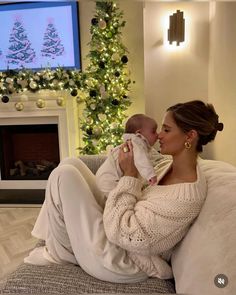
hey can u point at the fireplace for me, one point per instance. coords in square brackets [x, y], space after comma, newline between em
[32, 143]
[28, 152]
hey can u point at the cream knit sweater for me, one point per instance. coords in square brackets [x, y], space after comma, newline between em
[149, 224]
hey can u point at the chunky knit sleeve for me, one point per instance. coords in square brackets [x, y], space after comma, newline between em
[158, 221]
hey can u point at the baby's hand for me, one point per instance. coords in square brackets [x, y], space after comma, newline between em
[153, 180]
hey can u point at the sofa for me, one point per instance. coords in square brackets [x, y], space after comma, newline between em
[204, 262]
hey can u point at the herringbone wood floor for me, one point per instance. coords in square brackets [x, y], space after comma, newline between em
[15, 236]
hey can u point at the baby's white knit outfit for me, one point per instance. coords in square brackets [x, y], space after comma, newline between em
[145, 158]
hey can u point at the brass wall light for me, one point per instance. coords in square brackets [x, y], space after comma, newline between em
[176, 27]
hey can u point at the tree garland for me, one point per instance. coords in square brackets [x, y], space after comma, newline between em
[12, 82]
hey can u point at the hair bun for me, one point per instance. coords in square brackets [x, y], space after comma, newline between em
[220, 126]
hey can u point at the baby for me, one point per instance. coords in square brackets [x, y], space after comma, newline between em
[142, 131]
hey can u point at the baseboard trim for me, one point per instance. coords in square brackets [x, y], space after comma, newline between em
[22, 196]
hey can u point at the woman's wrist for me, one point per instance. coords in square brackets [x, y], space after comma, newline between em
[131, 174]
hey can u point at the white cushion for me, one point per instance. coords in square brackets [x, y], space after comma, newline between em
[209, 248]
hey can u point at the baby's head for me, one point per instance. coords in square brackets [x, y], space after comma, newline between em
[140, 123]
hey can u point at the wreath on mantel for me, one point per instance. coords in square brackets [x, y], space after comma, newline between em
[23, 81]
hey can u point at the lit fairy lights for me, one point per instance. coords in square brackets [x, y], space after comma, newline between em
[106, 87]
[15, 82]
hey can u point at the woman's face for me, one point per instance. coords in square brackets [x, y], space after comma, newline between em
[171, 137]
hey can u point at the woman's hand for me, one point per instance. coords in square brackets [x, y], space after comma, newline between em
[126, 160]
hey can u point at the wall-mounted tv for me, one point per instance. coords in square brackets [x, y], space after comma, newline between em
[35, 35]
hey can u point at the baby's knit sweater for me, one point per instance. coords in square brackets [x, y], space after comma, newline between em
[149, 224]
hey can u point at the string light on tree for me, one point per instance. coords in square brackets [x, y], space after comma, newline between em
[107, 82]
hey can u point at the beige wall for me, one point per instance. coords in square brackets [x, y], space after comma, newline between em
[222, 77]
[205, 68]
[173, 76]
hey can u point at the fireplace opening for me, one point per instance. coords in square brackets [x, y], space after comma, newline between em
[28, 152]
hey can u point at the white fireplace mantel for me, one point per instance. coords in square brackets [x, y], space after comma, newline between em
[66, 117]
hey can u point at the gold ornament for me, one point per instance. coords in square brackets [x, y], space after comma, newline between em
[19, 106]
[93, 106]
[89, 121]
[100, 47]
[33, 85]
[9, 80]
[40, 103]
[102, 24]
[71, 83]
[115, 57]
[102, 117]
[60, 101]
[114, 125]
[97, 130]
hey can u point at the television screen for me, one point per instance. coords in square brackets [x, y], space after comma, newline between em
[36, 35]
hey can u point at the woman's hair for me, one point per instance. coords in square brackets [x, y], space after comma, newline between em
[199, 116]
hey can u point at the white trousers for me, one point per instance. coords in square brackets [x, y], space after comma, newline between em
[71, 223]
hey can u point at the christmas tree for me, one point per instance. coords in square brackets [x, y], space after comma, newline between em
[52, 45]
[20, 51]
[107, 82]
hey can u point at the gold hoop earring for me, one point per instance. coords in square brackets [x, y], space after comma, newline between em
[187, 145]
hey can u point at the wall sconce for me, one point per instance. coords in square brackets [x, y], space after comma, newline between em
[176, 27]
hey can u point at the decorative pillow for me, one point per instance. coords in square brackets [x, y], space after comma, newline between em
[208, 250]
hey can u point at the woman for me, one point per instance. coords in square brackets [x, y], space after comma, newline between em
[134, 236]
